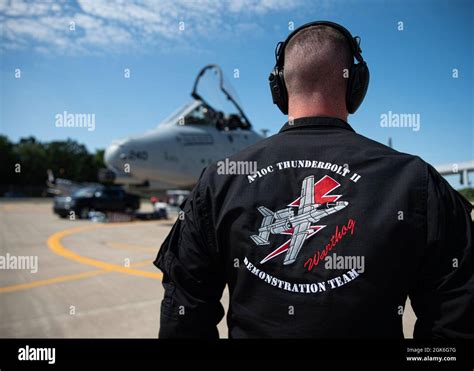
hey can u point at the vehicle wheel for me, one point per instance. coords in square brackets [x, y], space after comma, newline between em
[84, 213]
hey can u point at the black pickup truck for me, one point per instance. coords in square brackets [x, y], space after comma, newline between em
[95, 198]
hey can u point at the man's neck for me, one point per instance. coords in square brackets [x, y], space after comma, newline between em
[309, 108]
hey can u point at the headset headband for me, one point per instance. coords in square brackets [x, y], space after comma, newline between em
[354, 42]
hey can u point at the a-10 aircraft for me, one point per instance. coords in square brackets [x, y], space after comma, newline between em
[284, 221]
[173, 155]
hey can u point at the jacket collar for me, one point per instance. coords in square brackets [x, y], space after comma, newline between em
[316, 122]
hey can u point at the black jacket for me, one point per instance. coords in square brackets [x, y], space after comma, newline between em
[287, 240]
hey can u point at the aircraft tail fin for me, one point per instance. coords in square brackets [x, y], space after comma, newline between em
[265, 211]
[268, 216]
[264, 233]
[259, 240]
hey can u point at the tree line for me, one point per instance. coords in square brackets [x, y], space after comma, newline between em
[27, 161]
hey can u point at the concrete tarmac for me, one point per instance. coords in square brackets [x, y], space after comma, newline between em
[93, 280]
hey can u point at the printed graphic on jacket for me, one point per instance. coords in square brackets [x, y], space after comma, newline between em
[314, 204]
[300, 220]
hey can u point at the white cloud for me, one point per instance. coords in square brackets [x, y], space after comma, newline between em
[121, 25]
[260, 6]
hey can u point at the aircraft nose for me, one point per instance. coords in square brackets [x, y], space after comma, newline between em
[112, 155]
[342, 204]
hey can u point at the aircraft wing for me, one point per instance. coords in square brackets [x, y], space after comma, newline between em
[297, 240]
[307, 195]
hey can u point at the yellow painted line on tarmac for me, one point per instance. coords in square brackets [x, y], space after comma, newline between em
[21, 207]
[50, 281]
[55, 245]
[65, 278]
[11, 207]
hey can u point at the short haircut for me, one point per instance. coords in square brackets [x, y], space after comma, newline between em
[316, 60]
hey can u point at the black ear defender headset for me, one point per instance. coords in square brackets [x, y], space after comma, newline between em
[358, 79]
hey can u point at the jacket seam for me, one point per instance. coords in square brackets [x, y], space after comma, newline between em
[208, 233]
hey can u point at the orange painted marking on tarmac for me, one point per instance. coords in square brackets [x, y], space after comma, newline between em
[21, 207]
[50, 281]
[65, 278]
[55, 245]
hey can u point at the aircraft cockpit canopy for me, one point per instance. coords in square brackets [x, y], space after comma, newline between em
[205, 115]
[215, 104]
[220, 105]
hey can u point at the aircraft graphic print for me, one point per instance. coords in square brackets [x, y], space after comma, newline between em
[313, 204]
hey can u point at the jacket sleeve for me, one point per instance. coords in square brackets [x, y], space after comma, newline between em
[193, 276]
[443, 298]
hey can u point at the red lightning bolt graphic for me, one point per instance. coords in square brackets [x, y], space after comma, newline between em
[321, 189]
[282, 248]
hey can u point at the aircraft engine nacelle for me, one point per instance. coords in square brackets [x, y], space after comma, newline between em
[284, 214]
[280, 227]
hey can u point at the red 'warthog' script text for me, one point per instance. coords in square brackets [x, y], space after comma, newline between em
[335, 238]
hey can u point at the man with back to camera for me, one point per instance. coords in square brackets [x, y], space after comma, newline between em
[334, 230]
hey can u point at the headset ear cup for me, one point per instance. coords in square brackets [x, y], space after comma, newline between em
[278, 90]
[284, 93]
[357, 86]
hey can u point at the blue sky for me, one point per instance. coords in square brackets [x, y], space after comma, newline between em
[82, 70]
